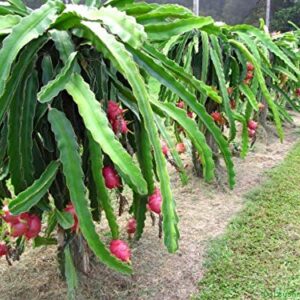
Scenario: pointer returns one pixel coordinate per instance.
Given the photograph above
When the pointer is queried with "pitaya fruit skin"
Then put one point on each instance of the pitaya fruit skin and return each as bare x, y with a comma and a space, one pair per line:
120, 249
164, 149
19, 229
230, 91
131, 226
113, 110
155, 202
216, 116
180, 104
250, 67
249, 76
119, 125
190, 114
251, 133
3, 249
252, 125
34, 227
111, 177
180, 148
70, 209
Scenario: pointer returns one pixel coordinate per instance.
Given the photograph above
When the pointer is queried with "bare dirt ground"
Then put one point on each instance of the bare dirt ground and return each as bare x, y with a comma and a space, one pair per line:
204, 211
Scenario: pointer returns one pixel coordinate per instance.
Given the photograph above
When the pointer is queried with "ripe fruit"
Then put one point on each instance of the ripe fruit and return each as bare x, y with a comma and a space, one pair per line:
19, 229
111, 177
3, 249
180, 104
250, 66
190, 114
180, 148
116, 119
34, 227
252, 125
297, 92
232, 104
119, 125
70, 209
249, 76
131, 226
155, 201
164, 148
120, 249
251, 133
230, 91
216, 116
113, 110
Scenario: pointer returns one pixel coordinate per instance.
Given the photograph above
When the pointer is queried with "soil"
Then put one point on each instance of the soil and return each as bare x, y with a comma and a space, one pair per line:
204, 211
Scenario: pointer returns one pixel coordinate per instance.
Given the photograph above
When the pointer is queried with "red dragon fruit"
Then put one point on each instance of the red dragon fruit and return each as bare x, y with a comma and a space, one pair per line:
180, 148
190, 114
155, 201
180, 104
230, 91
250, 67
34, 227
251, 133
3, 249
113, 110
252, 125
120, 249
164, 148
249, 76
70, 209
111, 177
119, 125
19, 229
131, 226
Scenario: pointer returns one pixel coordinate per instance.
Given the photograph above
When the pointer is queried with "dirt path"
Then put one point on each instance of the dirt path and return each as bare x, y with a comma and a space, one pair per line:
204, 211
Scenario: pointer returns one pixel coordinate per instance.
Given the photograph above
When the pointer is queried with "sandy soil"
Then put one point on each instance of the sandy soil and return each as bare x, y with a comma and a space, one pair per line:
204, 212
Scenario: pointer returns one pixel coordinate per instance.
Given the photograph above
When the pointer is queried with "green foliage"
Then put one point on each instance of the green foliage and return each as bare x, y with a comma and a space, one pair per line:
285, 12
65, 65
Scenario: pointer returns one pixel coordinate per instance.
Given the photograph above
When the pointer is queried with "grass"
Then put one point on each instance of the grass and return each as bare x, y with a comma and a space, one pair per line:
259, 255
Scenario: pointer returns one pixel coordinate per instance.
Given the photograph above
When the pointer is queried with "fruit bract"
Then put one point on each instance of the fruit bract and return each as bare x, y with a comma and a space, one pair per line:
111, 177
8, 217
131, 226
3, 249
155, 201
120, 250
